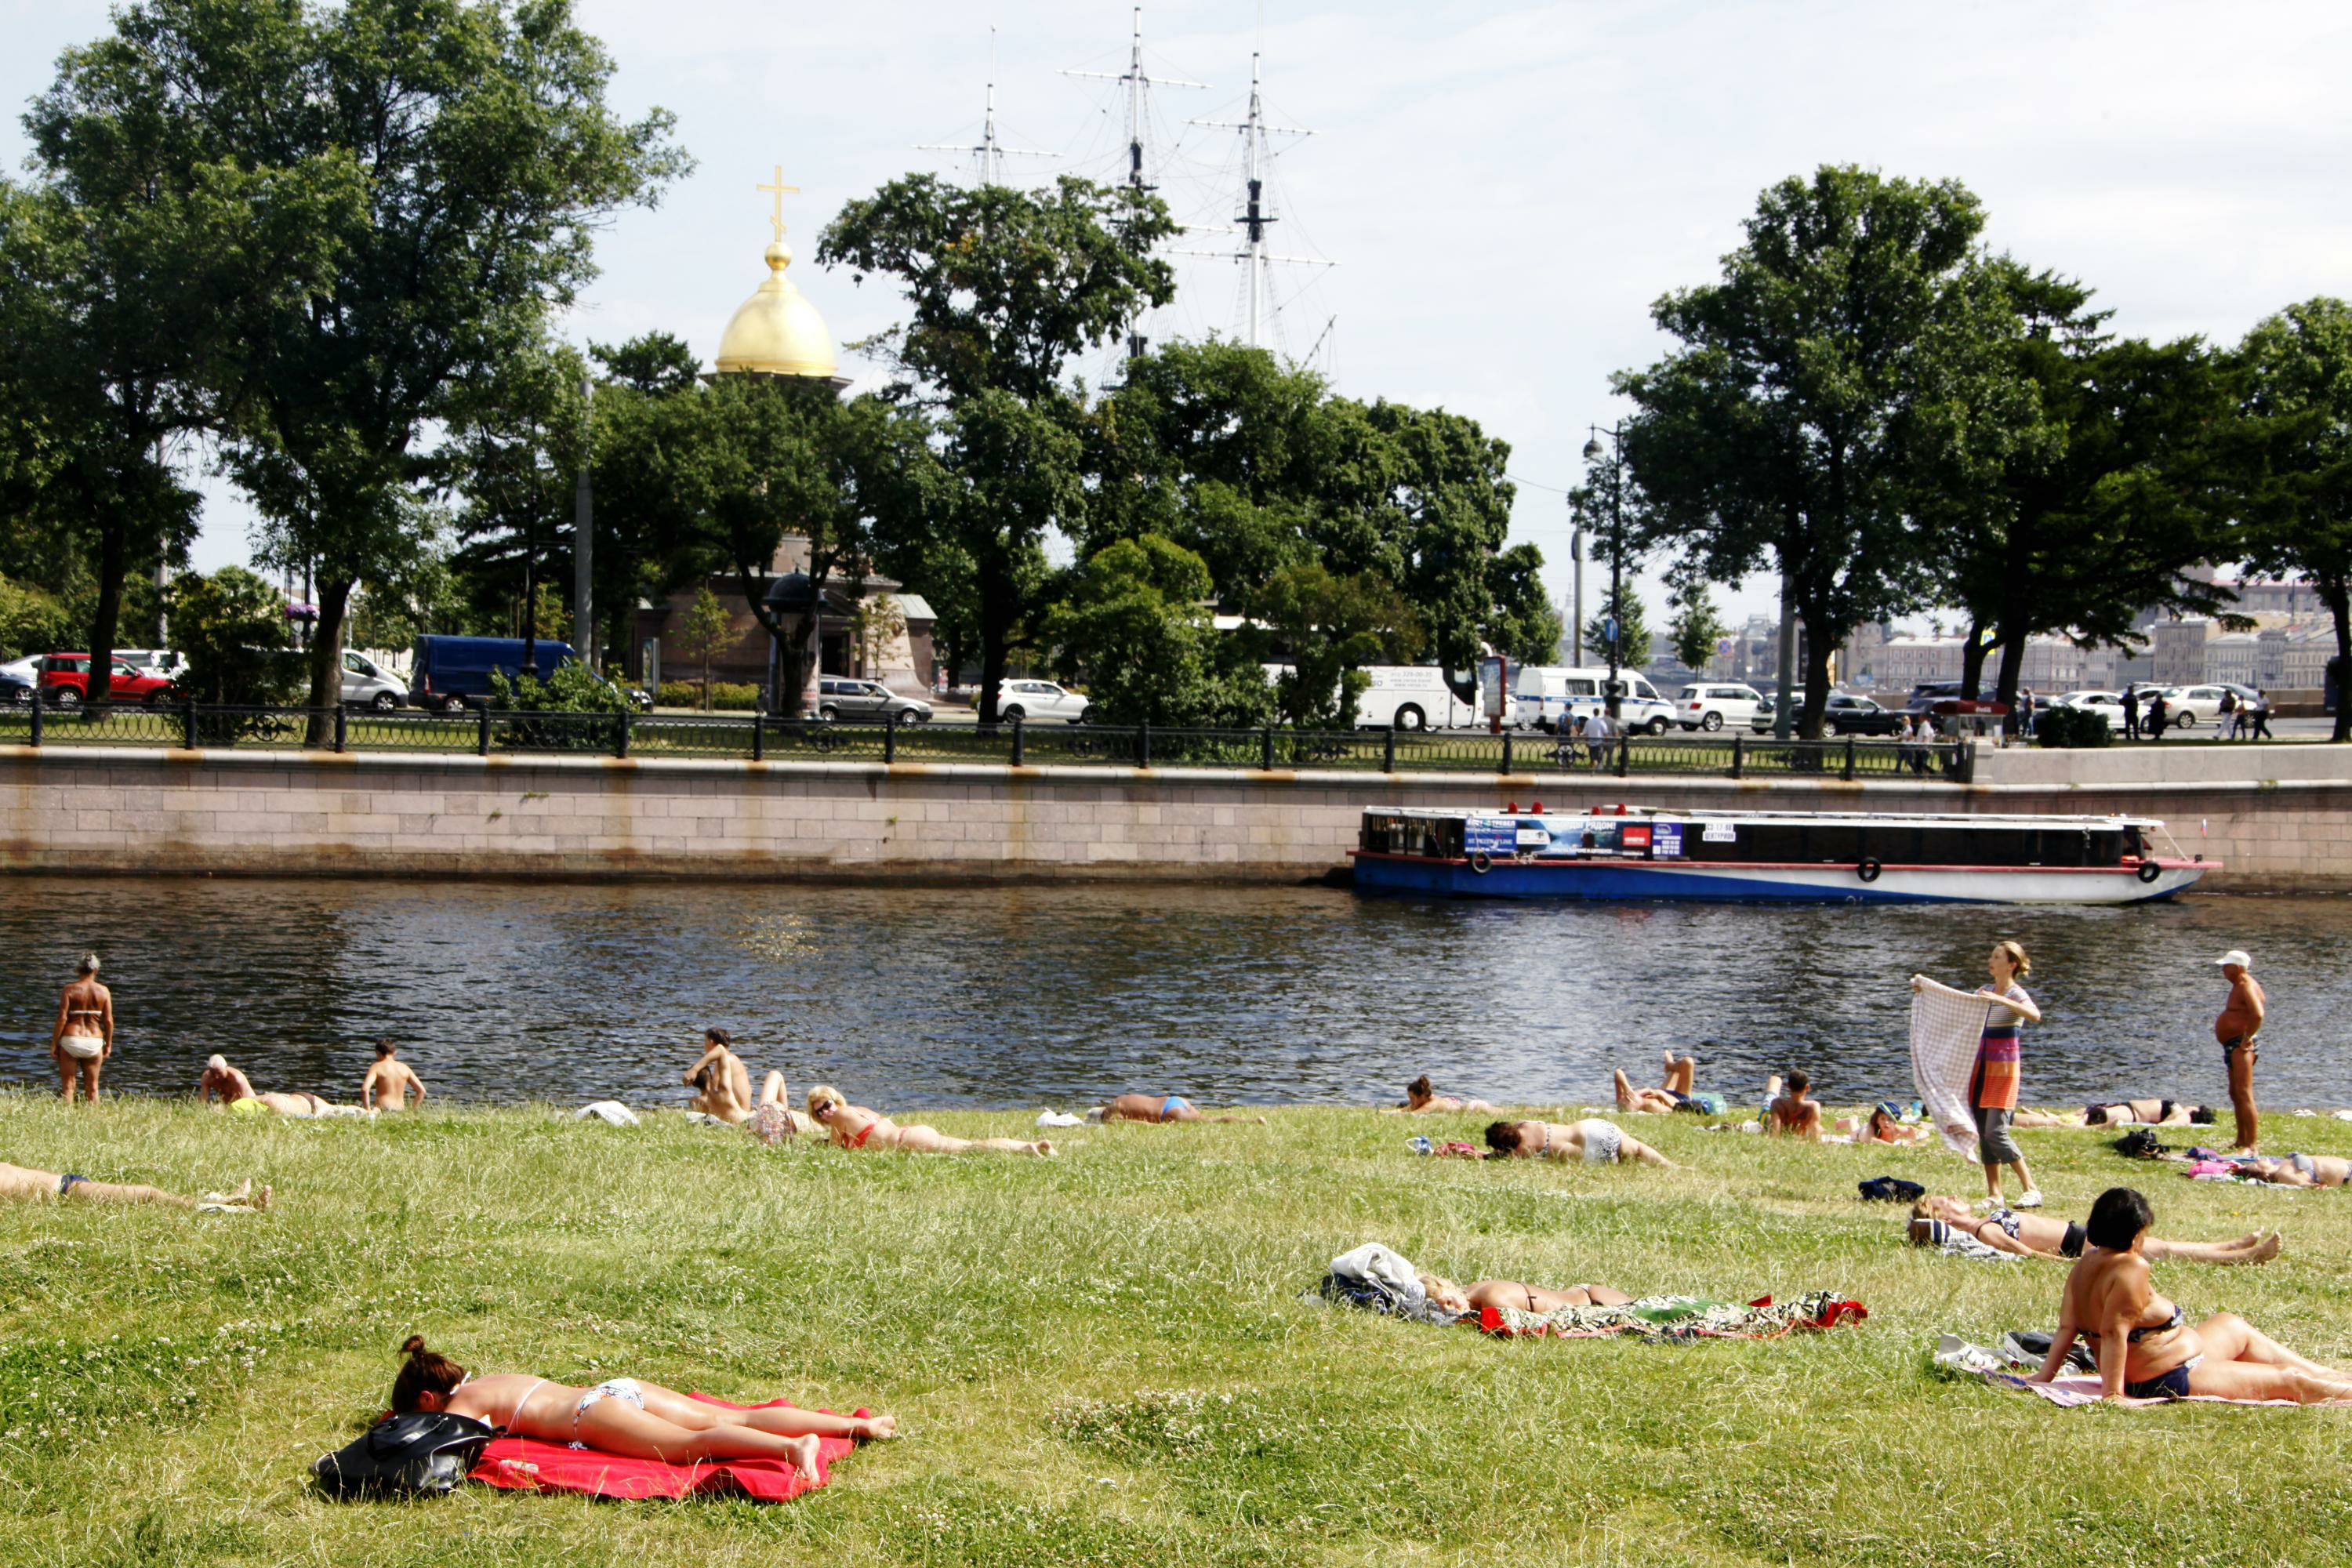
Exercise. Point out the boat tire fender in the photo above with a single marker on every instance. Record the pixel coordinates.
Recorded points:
(1868, 871)
(1481, 863)
(2149, 870)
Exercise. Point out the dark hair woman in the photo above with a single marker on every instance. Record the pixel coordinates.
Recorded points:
(2145, 1346)
(622, 1416)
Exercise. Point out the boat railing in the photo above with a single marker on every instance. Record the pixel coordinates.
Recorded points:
(762, 737)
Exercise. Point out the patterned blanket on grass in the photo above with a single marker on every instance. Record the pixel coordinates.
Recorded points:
(1680, 1317)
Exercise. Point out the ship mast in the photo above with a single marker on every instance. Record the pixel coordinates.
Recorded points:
(988, 153)
(1137, 81)
(1257, 212)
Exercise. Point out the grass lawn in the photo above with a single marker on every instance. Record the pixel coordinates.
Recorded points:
(1107, 1359)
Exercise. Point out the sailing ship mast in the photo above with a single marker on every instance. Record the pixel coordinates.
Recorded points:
(1258, 214)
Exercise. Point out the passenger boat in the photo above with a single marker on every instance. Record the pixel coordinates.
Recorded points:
(1639, 852)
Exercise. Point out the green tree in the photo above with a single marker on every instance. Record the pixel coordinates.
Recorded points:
(451, 161)
(877, 621)
(707, 630)
(1632, 632)
(1134, 623)
(2297, 366)
(1697, 627)
(1333, 626)
(517, 460)
(1004, 287)
(227, 624)
(1801, 421)
(31, 621)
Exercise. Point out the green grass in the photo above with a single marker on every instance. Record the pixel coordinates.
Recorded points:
(1106, 1358)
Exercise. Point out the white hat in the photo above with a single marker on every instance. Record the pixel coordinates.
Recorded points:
(2237, 955)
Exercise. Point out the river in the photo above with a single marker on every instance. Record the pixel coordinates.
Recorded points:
(1023, 996)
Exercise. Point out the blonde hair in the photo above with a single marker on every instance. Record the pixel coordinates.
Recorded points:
(88, 964)
(820, 1094)
(2017, 959)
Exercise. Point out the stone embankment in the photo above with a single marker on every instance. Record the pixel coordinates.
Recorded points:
(2279, 816)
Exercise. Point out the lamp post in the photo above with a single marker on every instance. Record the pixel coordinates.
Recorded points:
(1592, 454)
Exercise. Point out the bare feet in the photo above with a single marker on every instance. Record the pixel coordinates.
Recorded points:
(2266, 1250)
(804, 1457)
(1043, 1148)
(876, 1429)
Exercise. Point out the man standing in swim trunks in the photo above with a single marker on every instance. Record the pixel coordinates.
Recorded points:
(389, 1081)
(83, 1037)
(2237, 1029)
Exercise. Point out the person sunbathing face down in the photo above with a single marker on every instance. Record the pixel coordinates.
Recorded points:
(1421, 1097)
(1592, 1141)
(1462, 1301)
(2038, 1236)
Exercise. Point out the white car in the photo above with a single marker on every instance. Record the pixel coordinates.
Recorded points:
(367, 684)
(2110, 703)
(27, 670)
(1033, 700)
(1714, 704)
(2186, 707)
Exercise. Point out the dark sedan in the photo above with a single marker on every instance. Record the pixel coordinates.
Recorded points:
(1850, 715)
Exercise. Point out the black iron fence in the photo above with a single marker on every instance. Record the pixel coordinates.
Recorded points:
(760, 738)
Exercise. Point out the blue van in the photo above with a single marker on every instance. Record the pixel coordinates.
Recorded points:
(450, 672)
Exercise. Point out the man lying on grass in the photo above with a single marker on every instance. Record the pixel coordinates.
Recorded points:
(1158, 1108)
(21, 1182)
(2031, 1235)
(1501, 1293)
(1672, 1094)
(1592, 1141)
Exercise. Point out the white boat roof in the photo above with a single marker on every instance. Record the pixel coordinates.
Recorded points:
(1890, 818)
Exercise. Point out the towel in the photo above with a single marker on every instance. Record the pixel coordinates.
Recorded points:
(1946, 1025)
(1680, 1317)
(531, 1464)
(2068, 1393)
(612, 1112)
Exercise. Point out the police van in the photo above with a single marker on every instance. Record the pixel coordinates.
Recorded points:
(1543, 695)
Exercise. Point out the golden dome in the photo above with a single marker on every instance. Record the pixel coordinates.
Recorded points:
(777, 331)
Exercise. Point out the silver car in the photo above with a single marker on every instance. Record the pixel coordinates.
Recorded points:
(841, 697)
(367, 684)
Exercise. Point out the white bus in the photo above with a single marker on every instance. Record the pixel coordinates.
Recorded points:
(1409, 695)
(1545, 694)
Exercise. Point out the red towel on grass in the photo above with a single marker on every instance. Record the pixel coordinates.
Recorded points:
(564, 1469)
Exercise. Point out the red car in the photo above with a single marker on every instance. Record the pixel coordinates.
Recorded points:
(65, 683)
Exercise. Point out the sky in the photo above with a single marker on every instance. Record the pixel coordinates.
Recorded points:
(1501, 191)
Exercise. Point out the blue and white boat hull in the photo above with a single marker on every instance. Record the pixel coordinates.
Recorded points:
(1510, 878)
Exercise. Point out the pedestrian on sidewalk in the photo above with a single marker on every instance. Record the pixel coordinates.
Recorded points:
(2239, 1028)
(2131, 712)
(2263, 715)
(2156, 713)
(2227, 729)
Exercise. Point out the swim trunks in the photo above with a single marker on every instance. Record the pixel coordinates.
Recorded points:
(1171, 1105)
(66, 1182)
(1603, 1140)
(2173, 1384)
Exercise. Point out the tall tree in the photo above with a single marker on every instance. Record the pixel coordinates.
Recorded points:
(1003, 288)
(454, 156)
(2298, 401)
(1135, 623)
(517, 461)
(1696, 627)
(1333, 626)
(1797, 424)
(1632, 632)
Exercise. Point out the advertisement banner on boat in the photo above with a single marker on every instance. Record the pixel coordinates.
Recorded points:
(1666, 841)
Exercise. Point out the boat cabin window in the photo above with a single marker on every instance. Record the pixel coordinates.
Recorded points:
(1436, 836)
(1898, 843)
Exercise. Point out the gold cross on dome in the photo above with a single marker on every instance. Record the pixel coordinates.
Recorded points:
(781, 190)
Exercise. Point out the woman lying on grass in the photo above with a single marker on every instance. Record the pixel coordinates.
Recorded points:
(1421, 1099)
(2119, 1112)
(20, 1182)
(1592, 1141)
(1500, 1293)
(1157, 1108)
(2031, 1235)
(856, 1127)
(1883, 1128)
(2298, 1169)
(622, 1416)
(2145, 1347)
(1682, 1073)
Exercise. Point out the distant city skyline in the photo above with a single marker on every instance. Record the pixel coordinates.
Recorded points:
(1504, 198)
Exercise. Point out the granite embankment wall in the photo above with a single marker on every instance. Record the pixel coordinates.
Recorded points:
(2280, 817)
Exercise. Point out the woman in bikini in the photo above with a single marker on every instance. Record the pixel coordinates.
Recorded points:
(771, 1117)
(234, 1088)
(2149, 1112)
(1682, 1072)
(2145, 1345)
(83, 1035)
(856, 1127)
(2033, 1236)
(2299, 1169)
(623, 1415)
(1592, 1141)
(1421, 1099)
(21, 1181)
(1158, 1108)
(1883, 1128)
(1462, 1301)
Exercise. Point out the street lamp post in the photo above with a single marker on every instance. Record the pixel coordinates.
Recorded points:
(1616, 628)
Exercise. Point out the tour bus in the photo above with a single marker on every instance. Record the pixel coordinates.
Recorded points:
(1409, 695)
(1544, 694)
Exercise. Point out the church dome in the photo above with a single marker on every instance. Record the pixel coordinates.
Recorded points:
(777, 331)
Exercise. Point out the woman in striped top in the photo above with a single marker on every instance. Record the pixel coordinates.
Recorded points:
(1993, 1085)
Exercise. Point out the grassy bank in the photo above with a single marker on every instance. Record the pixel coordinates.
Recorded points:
(1105, 1358)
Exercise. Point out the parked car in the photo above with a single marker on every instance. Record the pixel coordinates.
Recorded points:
(1713, 705)
(1545, 696)
(1847, 714)
(2109, 703)
(28, 668)
(840, 696)
(367, 684)
(16, 690)
(1027, 699)
(2186, 707)
(449, 672)
(65, 681)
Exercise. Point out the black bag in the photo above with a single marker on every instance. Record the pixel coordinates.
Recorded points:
(429, 1451)
(2140, 1144)
(1891, 1190)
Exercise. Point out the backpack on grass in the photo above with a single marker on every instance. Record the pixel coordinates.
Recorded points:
(429, 1451)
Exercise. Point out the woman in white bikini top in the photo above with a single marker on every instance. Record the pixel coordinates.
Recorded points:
(83, 1035)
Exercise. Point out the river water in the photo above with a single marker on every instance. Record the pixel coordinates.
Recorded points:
(1005, 996)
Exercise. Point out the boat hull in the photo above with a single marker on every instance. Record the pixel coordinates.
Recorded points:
(1689, 882)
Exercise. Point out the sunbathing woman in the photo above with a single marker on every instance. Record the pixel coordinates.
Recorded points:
(2145, 1346)
(19, 1181)
(1421, 1099)
(623, 1415)
(234, 1088)
(1158, 1108)
(2298, 1169)
(772, 1112)
(856, 1127)
(1682, 1072)
(1883, 1128)
(2033, 1236)
(83, 1035)
(1592, 1141)
(1501, 1293)
(2152, 1112)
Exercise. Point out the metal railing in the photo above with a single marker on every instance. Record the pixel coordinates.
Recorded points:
(760, 738)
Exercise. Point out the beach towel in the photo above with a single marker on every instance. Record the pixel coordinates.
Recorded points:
(531, 1464)
(2070, 1393)
(1673, 1318)
(611, 1112)
(1947, 1027)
